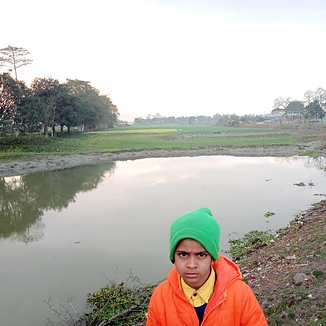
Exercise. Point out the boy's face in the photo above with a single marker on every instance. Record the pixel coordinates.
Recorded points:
(193, 262)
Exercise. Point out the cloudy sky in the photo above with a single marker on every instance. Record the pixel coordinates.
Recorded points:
(175, 57)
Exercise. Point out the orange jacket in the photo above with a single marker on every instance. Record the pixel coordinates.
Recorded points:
(232, 304)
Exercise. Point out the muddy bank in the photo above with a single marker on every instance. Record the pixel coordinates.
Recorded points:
(57, 161)
(289, 275)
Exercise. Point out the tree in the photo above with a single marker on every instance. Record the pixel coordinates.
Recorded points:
(320, 96)
(309, 97)
(14, 58)
(277, 111)
(295, 109)
(281, 103)
(97, 111)
(111, 111)
(314, 111)
(47, 90)
(70, 108)
(28, 117)
(90, 103)
(12, 95)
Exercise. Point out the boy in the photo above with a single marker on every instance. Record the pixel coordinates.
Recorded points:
(204, 287)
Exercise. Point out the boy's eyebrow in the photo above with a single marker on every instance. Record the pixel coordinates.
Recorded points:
(198, 252)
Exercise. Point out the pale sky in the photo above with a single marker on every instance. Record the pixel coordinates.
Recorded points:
(175, 57)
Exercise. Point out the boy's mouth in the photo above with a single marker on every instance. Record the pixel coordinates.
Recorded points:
(191, 275)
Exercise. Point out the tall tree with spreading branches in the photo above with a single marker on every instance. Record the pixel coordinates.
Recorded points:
(13, 58)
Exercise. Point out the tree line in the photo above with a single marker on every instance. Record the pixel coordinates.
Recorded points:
(311, 108)
(47, 103)
(220, 119)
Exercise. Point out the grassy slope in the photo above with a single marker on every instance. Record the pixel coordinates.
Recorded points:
(153, 137)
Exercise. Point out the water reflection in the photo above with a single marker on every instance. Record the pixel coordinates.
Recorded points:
(309, 162)
(62, 231)
(25, 198)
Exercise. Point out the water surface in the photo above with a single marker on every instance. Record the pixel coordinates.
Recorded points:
(67, 233)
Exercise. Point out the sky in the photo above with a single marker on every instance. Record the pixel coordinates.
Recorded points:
(175, 57)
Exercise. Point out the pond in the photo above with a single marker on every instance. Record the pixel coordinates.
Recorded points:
(67, 233)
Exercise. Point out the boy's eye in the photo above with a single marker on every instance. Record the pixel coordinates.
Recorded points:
(183, 254)
(202, 254)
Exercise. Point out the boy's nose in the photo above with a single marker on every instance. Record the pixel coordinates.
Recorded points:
(192, 262)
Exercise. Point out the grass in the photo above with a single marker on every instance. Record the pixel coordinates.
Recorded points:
(117, 304)
(188, 128)
(151, 137)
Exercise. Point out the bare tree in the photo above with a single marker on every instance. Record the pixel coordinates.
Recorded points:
(13, 58)
(320, 96)
(281, 102)
(309, 97)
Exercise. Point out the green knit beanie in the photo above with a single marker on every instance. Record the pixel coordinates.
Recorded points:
(199, 225)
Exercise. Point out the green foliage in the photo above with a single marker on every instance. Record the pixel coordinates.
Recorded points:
(24, 144)
(240, 247)
(268, 214)
(117, 304)
(134, 138)
(318, 274)
(314, 111)
(49, 103)
(311, 154)
(300, 184)
(291, 313)
(320, 321)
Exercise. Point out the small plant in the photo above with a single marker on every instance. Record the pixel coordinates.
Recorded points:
(291, 313)
(300, 184)
(240, 247)
(317, 273)
(117, 304)
(268, 214)
(320, 321)
(301, 293)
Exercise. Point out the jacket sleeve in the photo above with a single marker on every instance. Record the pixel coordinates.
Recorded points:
(152, 317)
(252, 313)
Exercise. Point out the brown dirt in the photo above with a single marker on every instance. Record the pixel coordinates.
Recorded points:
(271, 271)
(55, 162)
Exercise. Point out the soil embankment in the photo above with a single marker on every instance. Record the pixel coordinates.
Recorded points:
(54, 162)
(289, 275)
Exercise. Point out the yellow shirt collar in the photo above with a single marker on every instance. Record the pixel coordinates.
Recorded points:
(202, 295)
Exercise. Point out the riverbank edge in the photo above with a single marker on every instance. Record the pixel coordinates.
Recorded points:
(56, 161)
(288, 275)
(38, 163)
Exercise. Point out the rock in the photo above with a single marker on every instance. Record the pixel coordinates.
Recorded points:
(299, 278)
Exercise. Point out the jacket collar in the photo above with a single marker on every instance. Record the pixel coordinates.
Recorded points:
(226, 271)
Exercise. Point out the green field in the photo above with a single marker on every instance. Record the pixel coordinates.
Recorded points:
(155, 137)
